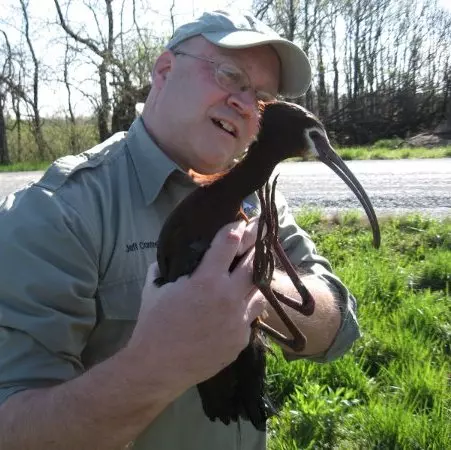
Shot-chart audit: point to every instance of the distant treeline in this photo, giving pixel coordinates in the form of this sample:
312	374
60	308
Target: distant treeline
382	69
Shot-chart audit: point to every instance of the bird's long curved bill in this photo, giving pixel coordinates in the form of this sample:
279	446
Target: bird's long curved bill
328	156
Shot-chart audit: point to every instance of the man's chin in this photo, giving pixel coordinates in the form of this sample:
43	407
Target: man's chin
212	166
208	170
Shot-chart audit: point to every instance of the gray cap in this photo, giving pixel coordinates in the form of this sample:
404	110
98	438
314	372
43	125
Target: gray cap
236	30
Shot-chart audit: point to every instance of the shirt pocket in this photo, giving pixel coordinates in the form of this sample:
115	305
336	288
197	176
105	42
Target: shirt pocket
117	311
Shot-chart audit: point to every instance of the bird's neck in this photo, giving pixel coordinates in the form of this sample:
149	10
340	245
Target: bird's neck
248	175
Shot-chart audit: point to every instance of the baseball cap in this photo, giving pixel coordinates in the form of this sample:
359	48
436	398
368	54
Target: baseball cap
242	30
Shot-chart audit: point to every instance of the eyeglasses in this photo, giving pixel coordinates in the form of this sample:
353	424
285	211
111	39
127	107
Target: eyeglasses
231	78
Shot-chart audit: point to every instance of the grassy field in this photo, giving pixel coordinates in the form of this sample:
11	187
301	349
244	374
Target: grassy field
392	390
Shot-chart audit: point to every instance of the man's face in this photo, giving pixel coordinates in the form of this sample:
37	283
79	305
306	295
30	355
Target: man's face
201	125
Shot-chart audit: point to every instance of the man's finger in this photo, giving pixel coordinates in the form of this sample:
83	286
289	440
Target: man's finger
256	306
249	237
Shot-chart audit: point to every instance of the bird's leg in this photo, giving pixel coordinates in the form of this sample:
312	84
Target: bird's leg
264	269
298	340
306	305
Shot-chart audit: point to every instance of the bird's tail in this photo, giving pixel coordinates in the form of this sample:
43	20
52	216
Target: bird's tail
218	395
239	389
251	371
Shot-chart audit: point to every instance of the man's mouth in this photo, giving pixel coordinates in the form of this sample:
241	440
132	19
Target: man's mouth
226	126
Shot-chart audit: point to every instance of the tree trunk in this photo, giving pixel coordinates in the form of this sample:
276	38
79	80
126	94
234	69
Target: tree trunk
104	108
4	153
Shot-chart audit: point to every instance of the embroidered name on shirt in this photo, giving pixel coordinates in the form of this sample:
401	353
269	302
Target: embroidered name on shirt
142	245
249	209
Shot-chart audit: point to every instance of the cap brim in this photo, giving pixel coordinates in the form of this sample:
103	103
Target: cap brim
296	70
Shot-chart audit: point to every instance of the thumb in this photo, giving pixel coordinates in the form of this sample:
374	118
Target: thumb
256	306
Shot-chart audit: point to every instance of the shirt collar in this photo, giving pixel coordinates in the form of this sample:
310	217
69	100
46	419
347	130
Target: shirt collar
152	166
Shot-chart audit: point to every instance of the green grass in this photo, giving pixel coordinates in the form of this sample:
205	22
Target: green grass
25	166
400	153
391	391
364	153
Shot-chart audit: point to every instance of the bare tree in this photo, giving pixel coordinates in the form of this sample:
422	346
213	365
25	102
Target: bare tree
12	87
34	100
292	19
380	66
171	13
135	52
5	74
71	121
331	23
123	61
102	47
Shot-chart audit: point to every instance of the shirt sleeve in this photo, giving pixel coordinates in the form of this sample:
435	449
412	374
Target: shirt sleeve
302	252
48	279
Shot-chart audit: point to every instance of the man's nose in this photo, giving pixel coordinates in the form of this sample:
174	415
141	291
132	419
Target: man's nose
244	102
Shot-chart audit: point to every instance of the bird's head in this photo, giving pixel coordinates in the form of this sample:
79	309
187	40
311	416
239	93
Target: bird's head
288	130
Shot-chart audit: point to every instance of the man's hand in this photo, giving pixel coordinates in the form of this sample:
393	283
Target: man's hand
201	322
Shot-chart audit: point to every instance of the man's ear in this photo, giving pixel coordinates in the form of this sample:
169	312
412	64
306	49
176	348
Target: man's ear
163	65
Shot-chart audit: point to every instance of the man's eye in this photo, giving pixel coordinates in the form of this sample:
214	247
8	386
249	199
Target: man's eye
233	77
230	74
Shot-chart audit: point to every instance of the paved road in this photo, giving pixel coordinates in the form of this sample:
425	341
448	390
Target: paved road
393	186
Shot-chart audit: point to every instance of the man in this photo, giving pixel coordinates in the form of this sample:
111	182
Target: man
92	353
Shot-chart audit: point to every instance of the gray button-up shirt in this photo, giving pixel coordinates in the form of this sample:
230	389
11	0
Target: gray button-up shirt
74	252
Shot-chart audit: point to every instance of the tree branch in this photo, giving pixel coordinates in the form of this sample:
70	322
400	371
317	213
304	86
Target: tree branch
88	42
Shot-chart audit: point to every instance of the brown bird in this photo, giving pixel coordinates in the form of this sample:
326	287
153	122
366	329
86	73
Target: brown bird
286	130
